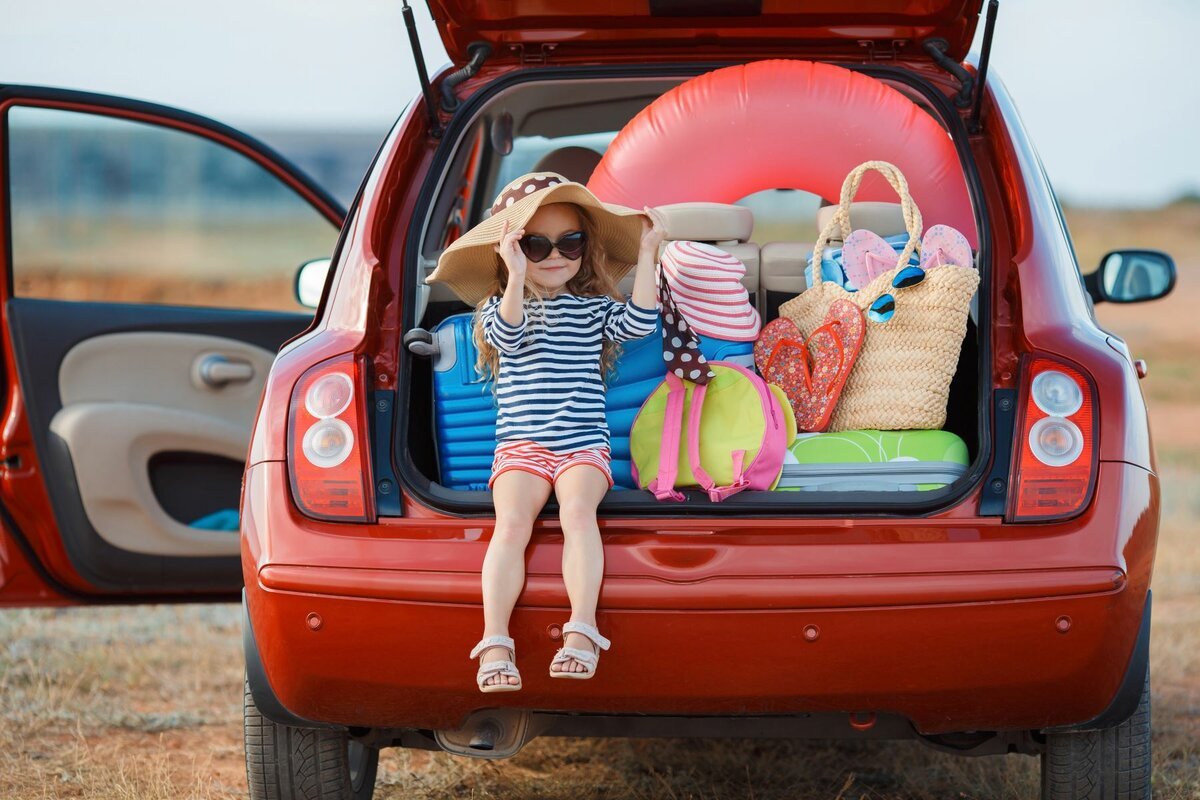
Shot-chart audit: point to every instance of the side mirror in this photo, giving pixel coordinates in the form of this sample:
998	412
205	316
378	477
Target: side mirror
1131	276
310	281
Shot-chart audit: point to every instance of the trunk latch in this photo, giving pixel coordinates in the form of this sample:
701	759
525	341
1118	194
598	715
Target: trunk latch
882	51
530	57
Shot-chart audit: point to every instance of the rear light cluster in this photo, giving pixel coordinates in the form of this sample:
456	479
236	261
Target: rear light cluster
1056	454
327	456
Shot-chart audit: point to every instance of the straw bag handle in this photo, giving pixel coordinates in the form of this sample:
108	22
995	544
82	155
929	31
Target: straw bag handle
841	216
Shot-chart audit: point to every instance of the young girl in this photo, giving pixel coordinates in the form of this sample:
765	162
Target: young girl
547	332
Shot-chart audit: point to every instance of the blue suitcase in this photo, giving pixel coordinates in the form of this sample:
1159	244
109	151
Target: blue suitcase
465	411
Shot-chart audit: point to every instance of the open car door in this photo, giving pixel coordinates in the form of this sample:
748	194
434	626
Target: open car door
149	258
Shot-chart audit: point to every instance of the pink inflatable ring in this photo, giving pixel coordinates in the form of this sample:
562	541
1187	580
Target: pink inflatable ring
782	124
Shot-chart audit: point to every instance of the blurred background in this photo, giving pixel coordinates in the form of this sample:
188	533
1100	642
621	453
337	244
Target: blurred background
1101	88
145	702
1103	85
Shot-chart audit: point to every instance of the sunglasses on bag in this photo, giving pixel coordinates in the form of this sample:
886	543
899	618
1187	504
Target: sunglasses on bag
884	307
538	248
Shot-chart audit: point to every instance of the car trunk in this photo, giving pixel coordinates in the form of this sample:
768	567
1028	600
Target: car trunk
530	115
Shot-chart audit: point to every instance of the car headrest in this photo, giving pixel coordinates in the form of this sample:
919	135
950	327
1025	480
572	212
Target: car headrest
573	163
885	219
708	222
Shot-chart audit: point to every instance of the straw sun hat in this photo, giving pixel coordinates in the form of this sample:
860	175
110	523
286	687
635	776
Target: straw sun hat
468	266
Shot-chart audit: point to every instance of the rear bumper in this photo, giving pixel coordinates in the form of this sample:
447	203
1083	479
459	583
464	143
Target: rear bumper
1010	649
981	666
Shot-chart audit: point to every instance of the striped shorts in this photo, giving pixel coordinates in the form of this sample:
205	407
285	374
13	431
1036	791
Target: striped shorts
546	464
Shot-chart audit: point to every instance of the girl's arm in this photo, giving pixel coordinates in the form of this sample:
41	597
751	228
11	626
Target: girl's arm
498	333
511	306
639	316
503	320
654	230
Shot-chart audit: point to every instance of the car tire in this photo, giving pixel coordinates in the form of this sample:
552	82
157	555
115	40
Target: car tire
284	762
1107	764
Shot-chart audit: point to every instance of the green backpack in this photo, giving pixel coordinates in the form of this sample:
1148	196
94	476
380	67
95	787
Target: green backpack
737	429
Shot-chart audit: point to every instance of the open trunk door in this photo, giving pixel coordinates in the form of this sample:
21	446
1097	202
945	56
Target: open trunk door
563	31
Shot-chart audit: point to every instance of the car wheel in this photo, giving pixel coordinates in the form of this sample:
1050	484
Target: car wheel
289	763
1108	764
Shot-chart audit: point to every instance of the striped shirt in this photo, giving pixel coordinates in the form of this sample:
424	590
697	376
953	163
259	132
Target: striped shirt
550	389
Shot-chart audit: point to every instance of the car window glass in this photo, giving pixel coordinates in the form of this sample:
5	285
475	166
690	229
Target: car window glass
783	215
1062	224
528	150
1062	219
110	210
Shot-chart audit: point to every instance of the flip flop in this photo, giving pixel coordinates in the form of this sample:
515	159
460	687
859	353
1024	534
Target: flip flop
813	372
952	245
866	256
834	348
771	337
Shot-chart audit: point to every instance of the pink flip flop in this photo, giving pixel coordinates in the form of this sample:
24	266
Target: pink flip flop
866	256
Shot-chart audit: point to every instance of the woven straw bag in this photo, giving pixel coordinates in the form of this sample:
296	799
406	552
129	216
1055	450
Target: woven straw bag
901	379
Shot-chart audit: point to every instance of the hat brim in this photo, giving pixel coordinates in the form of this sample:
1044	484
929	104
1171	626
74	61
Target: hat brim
468	265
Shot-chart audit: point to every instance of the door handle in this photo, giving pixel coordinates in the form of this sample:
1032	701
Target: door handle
217	371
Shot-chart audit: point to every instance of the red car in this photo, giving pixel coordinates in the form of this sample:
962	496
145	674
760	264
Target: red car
1005	612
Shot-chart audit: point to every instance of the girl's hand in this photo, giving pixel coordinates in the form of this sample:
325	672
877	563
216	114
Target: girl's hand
654	230
511	254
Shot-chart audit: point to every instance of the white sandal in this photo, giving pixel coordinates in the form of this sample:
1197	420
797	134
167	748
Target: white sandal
587	658
503	669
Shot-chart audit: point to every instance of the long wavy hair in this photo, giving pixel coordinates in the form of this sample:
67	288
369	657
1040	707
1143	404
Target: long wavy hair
592	280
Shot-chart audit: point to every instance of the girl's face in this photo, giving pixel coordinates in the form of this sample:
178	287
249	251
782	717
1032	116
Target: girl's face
553	221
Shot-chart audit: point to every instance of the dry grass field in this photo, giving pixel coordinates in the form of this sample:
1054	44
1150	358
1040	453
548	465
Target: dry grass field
145	702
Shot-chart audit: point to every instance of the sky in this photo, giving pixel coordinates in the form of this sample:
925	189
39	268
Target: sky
1105	87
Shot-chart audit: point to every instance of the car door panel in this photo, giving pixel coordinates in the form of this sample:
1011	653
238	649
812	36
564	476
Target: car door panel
128	398
123	426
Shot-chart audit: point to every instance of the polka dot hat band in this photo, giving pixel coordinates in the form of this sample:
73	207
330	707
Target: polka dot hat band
681	348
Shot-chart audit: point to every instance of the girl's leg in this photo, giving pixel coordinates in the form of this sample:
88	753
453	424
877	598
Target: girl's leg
579	490
518	497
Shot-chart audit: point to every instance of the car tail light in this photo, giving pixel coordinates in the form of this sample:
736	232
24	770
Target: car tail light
327	443
1055	462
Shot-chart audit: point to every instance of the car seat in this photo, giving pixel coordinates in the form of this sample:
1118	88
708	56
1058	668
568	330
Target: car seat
783	262
722	225
572	162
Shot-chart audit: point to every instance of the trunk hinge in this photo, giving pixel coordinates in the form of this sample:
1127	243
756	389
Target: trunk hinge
479	51
970	92
936	48
882	51
414	43
529	57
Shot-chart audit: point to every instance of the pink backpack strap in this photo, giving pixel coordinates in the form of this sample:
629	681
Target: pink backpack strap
715	493
668	455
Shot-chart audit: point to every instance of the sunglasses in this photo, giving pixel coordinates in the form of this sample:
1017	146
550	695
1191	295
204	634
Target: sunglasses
884	307
538	248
